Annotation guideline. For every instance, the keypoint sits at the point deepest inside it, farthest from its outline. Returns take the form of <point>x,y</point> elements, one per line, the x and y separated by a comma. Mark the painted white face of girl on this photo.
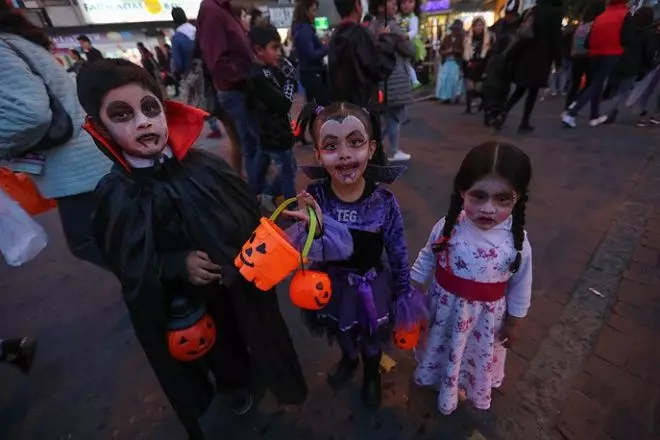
<point>489,202</point>
<point>344,149</point>
<point>135,120</point>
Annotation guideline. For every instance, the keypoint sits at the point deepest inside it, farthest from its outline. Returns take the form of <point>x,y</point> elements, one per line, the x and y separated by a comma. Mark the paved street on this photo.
<point>586,368</point>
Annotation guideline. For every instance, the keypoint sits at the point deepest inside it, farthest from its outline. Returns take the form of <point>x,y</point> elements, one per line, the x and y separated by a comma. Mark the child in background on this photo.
<point>409,22</point>
<point>270,93</point>
<point>482,266</point>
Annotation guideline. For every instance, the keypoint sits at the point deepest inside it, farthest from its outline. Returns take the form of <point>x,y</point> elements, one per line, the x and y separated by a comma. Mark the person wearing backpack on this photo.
<point>612,32</point>
<point>183,46</point>
<point>397,88</point>
<point>69,169</point>
<point>579,53</point>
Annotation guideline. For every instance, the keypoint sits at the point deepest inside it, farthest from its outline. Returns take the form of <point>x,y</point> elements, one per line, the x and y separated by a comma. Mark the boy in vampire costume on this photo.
<point>170,220</point>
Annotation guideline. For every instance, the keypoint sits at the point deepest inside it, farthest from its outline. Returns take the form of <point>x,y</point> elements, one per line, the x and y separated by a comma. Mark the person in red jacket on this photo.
<point>611,33</point>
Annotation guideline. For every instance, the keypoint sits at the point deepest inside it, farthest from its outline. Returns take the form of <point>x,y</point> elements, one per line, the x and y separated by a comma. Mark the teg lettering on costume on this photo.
<point>346,215</point>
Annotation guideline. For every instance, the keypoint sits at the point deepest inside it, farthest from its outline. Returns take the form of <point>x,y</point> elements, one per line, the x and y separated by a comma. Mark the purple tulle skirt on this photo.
<point>361,302</point>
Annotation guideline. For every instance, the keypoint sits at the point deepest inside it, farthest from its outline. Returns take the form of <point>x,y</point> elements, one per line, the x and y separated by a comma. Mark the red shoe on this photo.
<point>214,135</point>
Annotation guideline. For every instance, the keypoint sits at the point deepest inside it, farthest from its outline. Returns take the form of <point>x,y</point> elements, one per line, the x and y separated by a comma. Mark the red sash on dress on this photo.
<point>464,288</point>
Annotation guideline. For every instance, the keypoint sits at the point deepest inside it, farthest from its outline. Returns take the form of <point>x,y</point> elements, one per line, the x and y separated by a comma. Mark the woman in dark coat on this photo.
<point>531,59</point>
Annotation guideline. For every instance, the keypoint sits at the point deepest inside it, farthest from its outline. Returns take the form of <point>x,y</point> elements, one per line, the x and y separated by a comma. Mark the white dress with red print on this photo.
<point>461,350</point>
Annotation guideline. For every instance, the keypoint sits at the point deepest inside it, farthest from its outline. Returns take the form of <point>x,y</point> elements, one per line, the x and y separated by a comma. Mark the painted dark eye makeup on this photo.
<point>119,111</point>
<point>504,199</point>
<point>150,106</point>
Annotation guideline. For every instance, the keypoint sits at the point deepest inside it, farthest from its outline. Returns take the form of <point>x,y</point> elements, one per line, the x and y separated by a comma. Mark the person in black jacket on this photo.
<point>270,93</point>
<point>637,60</point>
<point>532,58</point>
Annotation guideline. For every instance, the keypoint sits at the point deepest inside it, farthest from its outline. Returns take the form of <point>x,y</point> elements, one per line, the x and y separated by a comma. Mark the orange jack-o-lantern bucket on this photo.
<point>268,257</point>
<point>310,289</point>
<point>407,338</point>
<point>191,331</point>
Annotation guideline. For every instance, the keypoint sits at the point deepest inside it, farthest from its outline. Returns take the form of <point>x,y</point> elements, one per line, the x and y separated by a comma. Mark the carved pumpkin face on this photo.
<point>191,343</point>
<point>267,257</point>
<point>407,339</point>
<point>310,289</point>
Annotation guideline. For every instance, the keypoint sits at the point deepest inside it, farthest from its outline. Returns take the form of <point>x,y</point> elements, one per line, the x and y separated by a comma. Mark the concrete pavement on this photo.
<point>592,221</point>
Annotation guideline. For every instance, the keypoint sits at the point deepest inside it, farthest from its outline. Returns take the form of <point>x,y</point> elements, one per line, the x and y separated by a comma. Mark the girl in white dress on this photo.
<point>481,264</point>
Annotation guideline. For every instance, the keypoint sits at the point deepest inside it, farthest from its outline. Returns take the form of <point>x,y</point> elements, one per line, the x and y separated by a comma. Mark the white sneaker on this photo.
<point>568,121</point>
<point>399,156</point>
<point>599,120</point>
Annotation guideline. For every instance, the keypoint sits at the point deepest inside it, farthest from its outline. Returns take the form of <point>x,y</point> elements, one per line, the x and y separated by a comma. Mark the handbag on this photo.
<point>61,124</point>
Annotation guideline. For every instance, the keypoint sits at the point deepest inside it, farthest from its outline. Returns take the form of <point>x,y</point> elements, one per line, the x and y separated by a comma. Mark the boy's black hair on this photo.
<point>96,79</point>
<point>84,38</point>
<point>345,7</point>
<point>502,160</point>
<point>179,16</point>
<point>260,36</point>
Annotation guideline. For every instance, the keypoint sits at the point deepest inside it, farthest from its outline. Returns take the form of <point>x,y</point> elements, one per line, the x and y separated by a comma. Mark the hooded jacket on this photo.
<point>183,45</point>
<point>225,47</point>
<point>611,32</point>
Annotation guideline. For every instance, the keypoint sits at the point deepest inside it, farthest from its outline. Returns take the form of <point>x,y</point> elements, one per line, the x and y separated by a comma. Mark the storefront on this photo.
<point>438,15</point>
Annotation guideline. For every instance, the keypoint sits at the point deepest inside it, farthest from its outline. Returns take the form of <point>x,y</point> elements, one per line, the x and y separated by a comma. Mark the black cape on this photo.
<point>146,221</point>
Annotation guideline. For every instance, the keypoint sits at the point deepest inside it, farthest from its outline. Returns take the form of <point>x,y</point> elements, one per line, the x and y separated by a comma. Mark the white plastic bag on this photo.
<point>21,238</point>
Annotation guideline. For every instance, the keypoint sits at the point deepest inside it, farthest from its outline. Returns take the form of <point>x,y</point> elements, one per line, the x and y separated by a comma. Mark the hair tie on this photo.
<point>440,244</point>
<point>318,110</point>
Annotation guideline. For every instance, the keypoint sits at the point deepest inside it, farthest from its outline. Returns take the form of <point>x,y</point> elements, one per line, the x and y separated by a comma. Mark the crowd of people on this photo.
<point>179,227</point>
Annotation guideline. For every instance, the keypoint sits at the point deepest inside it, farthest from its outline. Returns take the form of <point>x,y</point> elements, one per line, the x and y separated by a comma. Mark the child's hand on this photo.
<point>306,200</point>
<point>201,270</point>
<point>510,332</point>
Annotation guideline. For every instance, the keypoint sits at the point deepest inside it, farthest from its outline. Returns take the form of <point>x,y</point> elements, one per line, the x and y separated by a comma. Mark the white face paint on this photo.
<point>344,149</point>
<point>135,119</point>
<point>489,202</point>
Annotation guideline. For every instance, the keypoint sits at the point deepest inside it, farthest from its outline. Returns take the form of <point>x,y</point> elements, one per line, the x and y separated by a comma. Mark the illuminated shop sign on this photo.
<point>435,6</point>
<point>126,11</point>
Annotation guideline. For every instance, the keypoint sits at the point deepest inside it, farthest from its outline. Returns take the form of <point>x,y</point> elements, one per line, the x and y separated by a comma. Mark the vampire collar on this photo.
<point>184,123</point>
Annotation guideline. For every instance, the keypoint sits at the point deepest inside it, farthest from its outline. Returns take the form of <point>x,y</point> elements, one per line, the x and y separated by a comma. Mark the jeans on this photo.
<point>579,68</point>
<point>214,125</point>
<point>560,78</point>
<point>392,118</point>
<point>600,69</point>
<point>284,182</point>
<point>233,102</point>
<point>76,218</point>
<point>624,88</point>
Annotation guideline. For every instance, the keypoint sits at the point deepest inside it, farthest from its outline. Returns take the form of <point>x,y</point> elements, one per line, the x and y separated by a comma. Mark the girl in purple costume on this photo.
<point>347,196</point>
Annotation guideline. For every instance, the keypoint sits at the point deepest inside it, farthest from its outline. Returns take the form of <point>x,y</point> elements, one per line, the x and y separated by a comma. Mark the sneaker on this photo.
<point>399,156</point>
<point>568,121</point>
<point>417,85</point>
<point>217,134</point>
<point>241,402</point>
<point>642,123</point>
<point>654,121</point>
<point>598,121</point>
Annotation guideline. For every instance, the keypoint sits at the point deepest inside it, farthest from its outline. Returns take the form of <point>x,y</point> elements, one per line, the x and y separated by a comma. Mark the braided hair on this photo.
<point>312,116</point>
<point>487,159</point>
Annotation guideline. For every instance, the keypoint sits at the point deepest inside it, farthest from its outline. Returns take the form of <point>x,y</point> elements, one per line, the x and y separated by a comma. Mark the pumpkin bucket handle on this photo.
<point>312,225</point>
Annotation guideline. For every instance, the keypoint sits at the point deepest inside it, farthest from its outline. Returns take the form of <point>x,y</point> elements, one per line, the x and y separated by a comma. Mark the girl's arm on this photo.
<point>334,243</point>
<point>413,27</point>
<point>426,263</point>
<point>397,251</point>
<point>519,289</point>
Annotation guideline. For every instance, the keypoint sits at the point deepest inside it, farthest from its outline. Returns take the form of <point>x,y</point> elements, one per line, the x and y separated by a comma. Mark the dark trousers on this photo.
<point>228,360</point>
<point>530,101</point>
<point>579,68</point>
<point>352,343</point>
<point>600,68</point>
<point>76,218</point>
<point>316,87</point>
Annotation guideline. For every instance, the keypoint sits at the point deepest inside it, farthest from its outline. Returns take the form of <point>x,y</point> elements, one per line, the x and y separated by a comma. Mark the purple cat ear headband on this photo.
<point>320,108</point>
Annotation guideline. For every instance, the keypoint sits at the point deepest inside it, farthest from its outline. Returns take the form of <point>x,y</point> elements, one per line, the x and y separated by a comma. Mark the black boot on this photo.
<point>19,352</point>
<point>342,372</point>
<point>371,388</point>
<point>468,102</point>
